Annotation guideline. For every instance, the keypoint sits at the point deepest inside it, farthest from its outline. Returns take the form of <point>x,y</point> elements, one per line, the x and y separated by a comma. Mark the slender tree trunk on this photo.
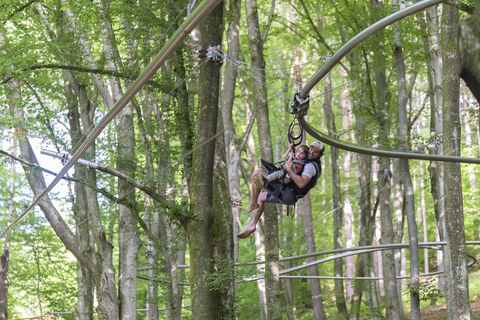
<point>128,239</point>
<point>100,264</point>
<point>315,288</point>
<point>168,233</point>
<point>223,251</point>
<point>336,200</point>
<point>458,303</point>
<point>259,234</point>
<point>4,261</point>
<point>260,255</point>
<point>406,178</point>
<point>365,231</point>
<point>469,136</point>
<point>5,257</point>
<point>423,213</point>
<point>348,208</point>
<point>227,98</point>
<point>436,169</point>
<point>79,113</point>
<point>272,279</point>
<point>80,205</point>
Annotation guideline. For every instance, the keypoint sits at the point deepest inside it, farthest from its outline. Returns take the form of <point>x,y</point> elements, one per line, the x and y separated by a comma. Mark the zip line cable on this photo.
<point>202,10</point>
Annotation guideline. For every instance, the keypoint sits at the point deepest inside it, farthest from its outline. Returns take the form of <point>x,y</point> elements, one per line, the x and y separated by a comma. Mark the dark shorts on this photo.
<point>277,194</point>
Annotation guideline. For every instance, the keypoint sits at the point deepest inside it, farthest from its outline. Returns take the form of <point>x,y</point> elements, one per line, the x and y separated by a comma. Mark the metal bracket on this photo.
<point>299,107</point>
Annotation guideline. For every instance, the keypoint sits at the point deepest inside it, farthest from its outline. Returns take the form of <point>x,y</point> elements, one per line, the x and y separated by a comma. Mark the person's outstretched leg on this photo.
<point>257,185</point>
<point>252,226</point>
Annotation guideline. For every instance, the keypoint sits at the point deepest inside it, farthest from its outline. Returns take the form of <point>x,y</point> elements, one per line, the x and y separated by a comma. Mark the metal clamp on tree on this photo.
<point>299,106</point>
<point>212,54</point>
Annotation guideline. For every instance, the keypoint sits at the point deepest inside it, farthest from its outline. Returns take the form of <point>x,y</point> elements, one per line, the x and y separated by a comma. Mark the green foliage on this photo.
<point>428,290</point>
<point>51,285</point>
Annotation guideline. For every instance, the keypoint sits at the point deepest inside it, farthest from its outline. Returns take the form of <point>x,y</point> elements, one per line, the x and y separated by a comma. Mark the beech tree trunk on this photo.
<point>128,239</point>
<point>80,205</point>
<point>208,259</point>
<point>458,303</point>
<point>232,143</point>
<point>468,50</point>
<point>436,168</point>
<point>272,268</point>
<point>347,202</point>
<point>5,257</point>
<point>252,162</point>
<point>402,132</point>
<point>336,200</point>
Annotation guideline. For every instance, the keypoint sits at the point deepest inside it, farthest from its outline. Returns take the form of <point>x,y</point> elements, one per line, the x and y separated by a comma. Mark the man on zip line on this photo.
<point>287,194</point>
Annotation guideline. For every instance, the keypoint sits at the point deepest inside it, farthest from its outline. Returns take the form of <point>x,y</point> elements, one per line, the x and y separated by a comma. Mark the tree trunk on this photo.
<point>207,262</point>
<point>436,169</point>
<point>272,279</point>
<point>365,231</point>
<point>458,303</point>
<point>260,255</point>
<point>128,239</point>
<point>5,257</point>
<point>252,162</point>
<point>405,176</point>
<point>468,50</point>
<point>232,146</point>
<point>336,201</point>
<point>222,229</point>
<point>423,214</point>
<point>407,181</point>
<point>347,206</point>
<point>80,112</point>
<point>80,205</point>
<point>315,288</point>
<point>100,264</point>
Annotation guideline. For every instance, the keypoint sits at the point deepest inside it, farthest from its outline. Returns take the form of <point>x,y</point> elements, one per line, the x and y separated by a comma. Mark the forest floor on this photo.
<point>439,312</point>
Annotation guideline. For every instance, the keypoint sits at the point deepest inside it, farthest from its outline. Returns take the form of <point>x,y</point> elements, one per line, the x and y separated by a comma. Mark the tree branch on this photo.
<point>20,9</point>
<point>34,166</point>
<point>86,70</point>
<point>461,5</point>
<point>269,23</point>
<point>157,197</point>
<point>319,36</point>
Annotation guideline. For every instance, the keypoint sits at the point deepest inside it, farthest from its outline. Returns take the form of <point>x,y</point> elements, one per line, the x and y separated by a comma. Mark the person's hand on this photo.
<point>289,163</point>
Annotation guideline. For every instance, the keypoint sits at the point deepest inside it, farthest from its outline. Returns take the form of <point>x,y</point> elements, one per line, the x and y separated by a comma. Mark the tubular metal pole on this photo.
<point>352,43</point>
<point>330,63</point>
<point>381,152</point>
<point>172,44</point>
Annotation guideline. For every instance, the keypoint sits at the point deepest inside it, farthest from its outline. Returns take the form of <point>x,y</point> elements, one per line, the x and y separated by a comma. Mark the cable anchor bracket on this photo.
<point>212,54</point>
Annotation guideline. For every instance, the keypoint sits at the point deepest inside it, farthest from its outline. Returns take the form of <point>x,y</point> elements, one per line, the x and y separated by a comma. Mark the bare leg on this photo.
<point>252,226</point>
<point>256,175</point>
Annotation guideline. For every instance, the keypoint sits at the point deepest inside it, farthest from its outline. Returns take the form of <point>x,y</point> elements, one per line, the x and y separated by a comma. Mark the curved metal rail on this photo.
<point>345,252</point>
<point>172,44</point>
<point>381,152</point>
<point>352,43</point>
<point>330,63</point>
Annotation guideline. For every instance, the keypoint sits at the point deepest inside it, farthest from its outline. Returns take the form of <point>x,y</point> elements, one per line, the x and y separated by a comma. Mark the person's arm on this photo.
<point>287,154</point>
<point>300,180</point>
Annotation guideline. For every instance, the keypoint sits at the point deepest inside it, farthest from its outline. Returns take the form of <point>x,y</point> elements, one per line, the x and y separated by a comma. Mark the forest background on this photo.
<point>147,223</point>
